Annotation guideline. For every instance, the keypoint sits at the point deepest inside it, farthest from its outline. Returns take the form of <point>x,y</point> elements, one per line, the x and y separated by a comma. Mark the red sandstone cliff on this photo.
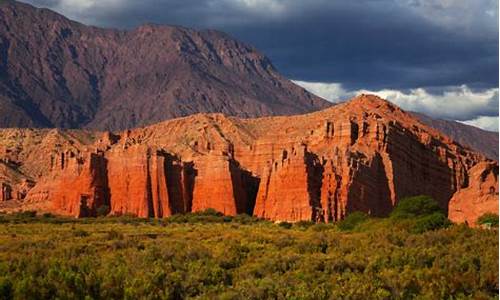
<point>479,197</point>
<point>363,155</point>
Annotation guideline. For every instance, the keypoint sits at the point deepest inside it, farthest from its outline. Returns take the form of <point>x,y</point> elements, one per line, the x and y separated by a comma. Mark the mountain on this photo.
<point>483,141</point>
<point>362,155</point>
<point>58,73</point>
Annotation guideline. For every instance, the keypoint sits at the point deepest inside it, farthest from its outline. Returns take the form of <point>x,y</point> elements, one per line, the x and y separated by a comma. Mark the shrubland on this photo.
<point>412,254</point>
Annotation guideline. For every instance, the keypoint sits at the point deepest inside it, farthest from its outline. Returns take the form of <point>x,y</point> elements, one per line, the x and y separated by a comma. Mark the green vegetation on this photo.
<point>352,220</point>
<point>413,207</point>
<point>422,213</point>
<point>209,256</point>
<point>488,219</point>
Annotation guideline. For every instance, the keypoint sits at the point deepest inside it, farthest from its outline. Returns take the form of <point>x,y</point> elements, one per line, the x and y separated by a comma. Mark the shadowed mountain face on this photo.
<point>58,73</point>
<point>483,141</point>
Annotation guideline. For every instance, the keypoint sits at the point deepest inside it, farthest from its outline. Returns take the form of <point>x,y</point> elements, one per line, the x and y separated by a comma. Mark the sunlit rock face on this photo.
<point>363,155</point>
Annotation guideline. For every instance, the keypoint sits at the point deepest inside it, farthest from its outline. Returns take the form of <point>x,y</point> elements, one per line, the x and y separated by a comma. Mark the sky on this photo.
<point>438,57</point>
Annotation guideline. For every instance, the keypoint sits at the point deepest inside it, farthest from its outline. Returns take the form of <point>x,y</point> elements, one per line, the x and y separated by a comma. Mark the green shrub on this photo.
<point>80,233</point>
<point>420,213</point>
<point>114,235</point>
<point>433,221</point>
<point>415,207</point>
<point>245,219</point>
<point>382,260</point>
<point>208,212</point>
<point>102,210</point>
<point>285,225</point>
<point>319,227</point>
<point>352,220</point>
<point>6,289</point>
<point>304,224</point>
<point>26,214</point>
<point>489,219</point>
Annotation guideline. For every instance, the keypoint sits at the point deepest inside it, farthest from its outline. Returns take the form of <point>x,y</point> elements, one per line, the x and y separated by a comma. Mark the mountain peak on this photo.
<point>82,76</point>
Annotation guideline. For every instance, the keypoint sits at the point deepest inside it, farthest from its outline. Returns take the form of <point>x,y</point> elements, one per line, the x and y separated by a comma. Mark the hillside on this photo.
<point>362,155</point>
<point>58,73</point>
<point>483,141</point>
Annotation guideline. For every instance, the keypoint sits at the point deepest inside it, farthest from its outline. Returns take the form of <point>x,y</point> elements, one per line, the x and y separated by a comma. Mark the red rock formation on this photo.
<point>479,197</point>
<point>362,155</point>
<point>218,184</point>
<point>286,191</point>
<point>77,185</point>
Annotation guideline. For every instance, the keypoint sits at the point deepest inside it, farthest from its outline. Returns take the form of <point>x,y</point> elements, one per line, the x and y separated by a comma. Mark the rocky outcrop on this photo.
<point>479,197</point>
<point>144,182</point>
<point>290,188</point>
<point>364,155</point>
<point>76,185</point>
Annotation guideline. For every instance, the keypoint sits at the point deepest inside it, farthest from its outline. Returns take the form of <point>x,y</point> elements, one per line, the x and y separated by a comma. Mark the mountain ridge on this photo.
<point>80,76</point>
<point>482,140</point>
<point>64,74</point>
<point>364,154</point>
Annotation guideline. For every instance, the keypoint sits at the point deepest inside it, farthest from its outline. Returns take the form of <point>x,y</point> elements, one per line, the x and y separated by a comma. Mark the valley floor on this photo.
<point>208,256</point>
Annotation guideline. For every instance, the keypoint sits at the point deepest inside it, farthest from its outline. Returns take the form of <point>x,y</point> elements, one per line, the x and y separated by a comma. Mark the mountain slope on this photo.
<point>483,141</point>
<point>58,73</point>
<point>362,155</point>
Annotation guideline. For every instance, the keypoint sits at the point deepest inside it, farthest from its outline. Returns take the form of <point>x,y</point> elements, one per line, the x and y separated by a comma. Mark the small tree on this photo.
<point>423,212</point>
<point>352,220</point>
<point>416,206</point>
<point>433,221</point>
<point>488,219</point>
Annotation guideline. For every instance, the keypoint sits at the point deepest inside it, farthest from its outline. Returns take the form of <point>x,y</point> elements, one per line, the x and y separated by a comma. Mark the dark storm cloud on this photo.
<point>361,44</point>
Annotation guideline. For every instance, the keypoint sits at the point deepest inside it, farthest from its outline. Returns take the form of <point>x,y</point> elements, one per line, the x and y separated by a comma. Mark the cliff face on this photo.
<point>58,73</point>
<point>479,197</point>
<point>363,155</point>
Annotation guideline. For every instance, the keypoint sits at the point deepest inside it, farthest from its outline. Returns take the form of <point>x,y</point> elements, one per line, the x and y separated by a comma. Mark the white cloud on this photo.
<point>487,123</point>
<point>460,103</point>
<point>333,92</point>
<point>456,103</point>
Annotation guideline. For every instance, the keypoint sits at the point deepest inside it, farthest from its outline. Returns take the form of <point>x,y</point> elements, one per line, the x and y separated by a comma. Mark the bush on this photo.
<point>382,260</point>
<point>26,214</point>
<point>209,212</point>
<point>114,235</point>
<point>489,219</point>
<point>352,220</point>
<point>319,227</point>
<point>285,225</point>
<point>422,213</point>
<point>304,224</point>
<point>102,210</point>
<point>415,207</point>
<point>433,221</point>
<point>80,233</point>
